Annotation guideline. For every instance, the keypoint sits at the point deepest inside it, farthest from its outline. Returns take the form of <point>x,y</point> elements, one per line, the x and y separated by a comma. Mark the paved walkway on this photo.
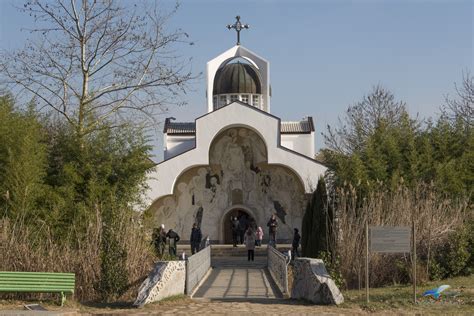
<point>235,278</point>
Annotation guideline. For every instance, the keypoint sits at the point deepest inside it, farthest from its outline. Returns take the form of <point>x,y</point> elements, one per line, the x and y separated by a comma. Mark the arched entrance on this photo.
<point>245,219</point>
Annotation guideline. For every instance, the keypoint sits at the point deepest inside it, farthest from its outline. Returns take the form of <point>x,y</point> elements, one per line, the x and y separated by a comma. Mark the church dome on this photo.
<point>237,78</point>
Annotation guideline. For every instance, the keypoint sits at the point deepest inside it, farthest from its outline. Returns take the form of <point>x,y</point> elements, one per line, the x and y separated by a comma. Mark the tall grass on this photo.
<point>435,217</point>
<point>28,249</point>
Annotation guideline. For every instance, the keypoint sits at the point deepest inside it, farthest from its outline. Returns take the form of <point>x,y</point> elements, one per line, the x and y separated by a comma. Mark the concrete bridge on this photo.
<point>223,273</point>
<point>233,277</point>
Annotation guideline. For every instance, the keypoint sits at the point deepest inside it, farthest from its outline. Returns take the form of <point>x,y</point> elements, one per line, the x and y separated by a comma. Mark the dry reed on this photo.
<point>25,249</point>
<point>435,218</point>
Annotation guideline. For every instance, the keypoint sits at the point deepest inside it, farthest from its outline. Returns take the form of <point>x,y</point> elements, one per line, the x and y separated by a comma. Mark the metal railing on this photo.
<point>278,267</point>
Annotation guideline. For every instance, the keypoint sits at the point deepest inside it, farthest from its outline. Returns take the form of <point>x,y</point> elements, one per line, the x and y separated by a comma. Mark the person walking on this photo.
<point>259,236</point>
<point>249,240</point>
<point>272,229</point>
<point>196,237</point>
<point>173,239</point>
<point>235,230</point>
<point>295,244</point>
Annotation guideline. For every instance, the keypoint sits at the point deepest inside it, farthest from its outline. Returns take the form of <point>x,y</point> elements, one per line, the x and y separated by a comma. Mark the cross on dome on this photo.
<point>238,26</point>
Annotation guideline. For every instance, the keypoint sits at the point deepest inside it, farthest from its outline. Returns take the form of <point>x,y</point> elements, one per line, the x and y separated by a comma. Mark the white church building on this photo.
<point>237,159</point>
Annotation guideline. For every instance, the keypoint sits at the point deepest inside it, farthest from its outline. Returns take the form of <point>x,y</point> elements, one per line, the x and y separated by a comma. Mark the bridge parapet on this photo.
<point>197,267</point>
<point>278,267</point>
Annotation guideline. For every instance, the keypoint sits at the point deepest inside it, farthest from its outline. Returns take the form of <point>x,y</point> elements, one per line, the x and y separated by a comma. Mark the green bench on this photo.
<point>39,282</point>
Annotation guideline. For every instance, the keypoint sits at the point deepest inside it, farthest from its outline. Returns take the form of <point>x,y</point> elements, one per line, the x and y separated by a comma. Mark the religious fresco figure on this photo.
<point>217,151</point>
<point>197,186</point>
<point>184,207</point>
<point>166,210</point>
<point>232,164</point>
<point>250,182</point>
<point>258,148</point>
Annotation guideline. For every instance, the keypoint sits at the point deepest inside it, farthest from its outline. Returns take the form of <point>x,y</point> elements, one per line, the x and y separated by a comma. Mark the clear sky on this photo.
<point>324,55</point>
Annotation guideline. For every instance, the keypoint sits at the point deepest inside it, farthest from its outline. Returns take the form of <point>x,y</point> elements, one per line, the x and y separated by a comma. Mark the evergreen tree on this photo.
<point>306,229</point>
<point>317,234</point>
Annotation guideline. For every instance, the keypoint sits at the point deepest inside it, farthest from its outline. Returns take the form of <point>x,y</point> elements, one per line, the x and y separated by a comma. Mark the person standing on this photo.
<point>173,238</point>
<point>259,236</point>
<point>196,237</point>
<point>155,240</point>
<point>272,229</point>
<point>295,244</point>
<point>242,227</point>
<point>249,240</point>
<point>162,238</point>
<point>235,230</point>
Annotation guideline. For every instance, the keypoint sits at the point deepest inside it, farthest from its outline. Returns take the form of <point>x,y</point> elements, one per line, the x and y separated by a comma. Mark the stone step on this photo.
<point>220,250</point>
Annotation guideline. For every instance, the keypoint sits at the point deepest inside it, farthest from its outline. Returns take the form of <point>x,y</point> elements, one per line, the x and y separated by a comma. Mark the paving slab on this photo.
<point>237,278</point>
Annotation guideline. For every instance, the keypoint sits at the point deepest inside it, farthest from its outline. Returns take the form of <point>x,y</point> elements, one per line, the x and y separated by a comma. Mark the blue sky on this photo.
<point>324,55</point>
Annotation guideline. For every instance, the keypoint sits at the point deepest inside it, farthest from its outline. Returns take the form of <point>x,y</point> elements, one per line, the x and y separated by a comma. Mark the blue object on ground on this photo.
<point>436,292</point>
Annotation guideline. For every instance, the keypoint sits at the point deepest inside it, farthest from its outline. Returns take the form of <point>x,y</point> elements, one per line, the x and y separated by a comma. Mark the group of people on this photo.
<point>161,238</point>
<point>242,232</point>
<point>240,226</point>
<point>252,238</point>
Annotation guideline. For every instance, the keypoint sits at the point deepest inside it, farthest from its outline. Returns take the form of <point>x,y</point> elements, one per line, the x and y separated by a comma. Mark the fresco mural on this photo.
<point>238,175</point>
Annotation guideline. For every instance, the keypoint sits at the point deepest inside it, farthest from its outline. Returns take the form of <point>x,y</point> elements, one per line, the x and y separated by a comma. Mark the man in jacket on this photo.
<point>173,239</point>
<point>295,244</point>
<point>272,228</point>
<point>196,237</point>
<point>235,230</point>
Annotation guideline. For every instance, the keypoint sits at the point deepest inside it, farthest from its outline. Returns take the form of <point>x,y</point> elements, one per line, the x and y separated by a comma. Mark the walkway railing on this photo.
<point>278,267</point>
<point>197,266</point>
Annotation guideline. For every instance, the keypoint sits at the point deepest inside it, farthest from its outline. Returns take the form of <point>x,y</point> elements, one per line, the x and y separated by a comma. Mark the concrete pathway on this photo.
<point>236,278</point>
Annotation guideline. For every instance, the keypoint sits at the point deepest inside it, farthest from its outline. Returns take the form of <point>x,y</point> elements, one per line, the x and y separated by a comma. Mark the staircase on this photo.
<point>224,250</point>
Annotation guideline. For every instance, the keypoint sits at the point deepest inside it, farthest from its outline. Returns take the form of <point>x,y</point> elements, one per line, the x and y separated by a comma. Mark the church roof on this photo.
<point>305,126</point>
<point>237,78</point>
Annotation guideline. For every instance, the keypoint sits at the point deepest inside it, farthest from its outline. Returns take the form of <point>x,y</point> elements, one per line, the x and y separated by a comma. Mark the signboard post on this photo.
<point>390,239</point>
<point>367,262</point>
<point>414,262</point>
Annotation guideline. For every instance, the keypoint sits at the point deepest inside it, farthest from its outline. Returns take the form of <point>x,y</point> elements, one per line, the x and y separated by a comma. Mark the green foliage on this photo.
<point>453,257</point>
<point>395,148</point>
<point>317,223</point>
<point>83,175</point>
<point>54,180</point>
<point>114,276</point>
<point>333,266</point>
<point>22,161</point>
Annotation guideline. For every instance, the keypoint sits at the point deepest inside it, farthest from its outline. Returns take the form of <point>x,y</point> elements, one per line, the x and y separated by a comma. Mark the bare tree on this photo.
<point>462,107</point>
<point>96,61</point>
<point>362,119</point>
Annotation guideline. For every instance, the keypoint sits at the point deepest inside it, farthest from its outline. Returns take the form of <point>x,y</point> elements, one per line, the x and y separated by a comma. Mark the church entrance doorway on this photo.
<point>245,220</point>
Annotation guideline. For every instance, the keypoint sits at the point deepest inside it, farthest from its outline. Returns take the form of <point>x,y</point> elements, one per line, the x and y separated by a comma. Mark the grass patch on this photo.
<point>400,298</point>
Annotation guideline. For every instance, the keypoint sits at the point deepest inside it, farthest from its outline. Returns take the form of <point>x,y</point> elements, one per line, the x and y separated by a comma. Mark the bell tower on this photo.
<point>238,74</point>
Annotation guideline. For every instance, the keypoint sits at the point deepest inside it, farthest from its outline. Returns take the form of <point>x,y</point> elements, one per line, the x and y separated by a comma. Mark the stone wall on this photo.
<point>312,282</point>
<point>196,268</point>
<point>277,266</point>
<point>166,279</point>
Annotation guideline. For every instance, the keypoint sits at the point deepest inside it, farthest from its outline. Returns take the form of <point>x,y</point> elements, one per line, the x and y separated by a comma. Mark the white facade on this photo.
<point>175,145</point>
<point>236,159</point>
<point>301,143</point>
